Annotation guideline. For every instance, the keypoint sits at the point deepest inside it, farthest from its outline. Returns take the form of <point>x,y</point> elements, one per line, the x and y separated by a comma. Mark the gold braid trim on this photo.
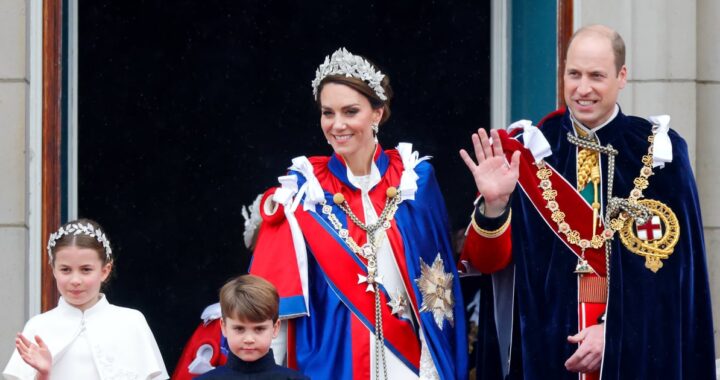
<point>491,234</point>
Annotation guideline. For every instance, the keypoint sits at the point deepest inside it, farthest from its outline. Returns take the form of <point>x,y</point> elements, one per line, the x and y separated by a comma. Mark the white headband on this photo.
<point>77,229</point>
<point>342,62</point>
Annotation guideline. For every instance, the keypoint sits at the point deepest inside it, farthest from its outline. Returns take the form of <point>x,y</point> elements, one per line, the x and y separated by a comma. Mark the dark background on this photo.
<point>189,109</point>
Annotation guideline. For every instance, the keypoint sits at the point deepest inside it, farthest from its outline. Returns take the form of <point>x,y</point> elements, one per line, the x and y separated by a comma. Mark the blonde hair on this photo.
<point>251,298</point>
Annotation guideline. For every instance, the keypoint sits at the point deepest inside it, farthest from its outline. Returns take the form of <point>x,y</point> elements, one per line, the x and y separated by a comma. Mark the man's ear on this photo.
<point>622,76</point>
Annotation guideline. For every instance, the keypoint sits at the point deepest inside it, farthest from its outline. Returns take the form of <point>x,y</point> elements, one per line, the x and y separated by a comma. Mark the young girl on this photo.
<point>84,337</point>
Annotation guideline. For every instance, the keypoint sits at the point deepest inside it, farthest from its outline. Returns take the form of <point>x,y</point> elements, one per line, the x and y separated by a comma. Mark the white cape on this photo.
<point>119,339</point>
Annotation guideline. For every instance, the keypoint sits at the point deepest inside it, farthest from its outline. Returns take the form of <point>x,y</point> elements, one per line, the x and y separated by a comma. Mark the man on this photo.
<point>594,187</point>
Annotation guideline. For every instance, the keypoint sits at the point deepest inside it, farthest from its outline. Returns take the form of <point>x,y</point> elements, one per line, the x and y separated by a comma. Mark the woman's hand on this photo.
<point>37,355</point>
<point>494,178</point>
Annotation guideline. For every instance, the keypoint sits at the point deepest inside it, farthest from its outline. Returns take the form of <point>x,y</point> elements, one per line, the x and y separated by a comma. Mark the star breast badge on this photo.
<point>398,303</point>
<point>436,288</point>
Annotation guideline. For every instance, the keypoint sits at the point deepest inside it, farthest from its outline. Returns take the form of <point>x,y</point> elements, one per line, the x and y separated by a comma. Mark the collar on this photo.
<point>590,132</point>
<point>378,167</point>
<point>606,133</point>
<point>263,364</point>
<point>65,307</point>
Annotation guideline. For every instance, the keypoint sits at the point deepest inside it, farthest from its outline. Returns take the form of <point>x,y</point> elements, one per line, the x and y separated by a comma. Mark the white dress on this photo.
<point>104,342</point>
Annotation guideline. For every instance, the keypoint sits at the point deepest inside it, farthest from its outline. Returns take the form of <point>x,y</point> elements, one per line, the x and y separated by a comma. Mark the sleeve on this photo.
<point>488,243</point>
<point>149,359</point>
<point>279,256</point>
<point>16,368</point>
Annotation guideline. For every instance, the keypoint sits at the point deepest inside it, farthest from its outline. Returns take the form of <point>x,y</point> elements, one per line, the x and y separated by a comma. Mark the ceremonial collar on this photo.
<point>338,167</point>
<point>65,307</point>
<point>593,131</point>
<point>263,364</point>
<point>609,131</point>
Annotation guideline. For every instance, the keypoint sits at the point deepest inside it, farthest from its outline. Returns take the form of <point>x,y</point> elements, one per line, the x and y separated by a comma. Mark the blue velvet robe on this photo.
<point>658,325</point>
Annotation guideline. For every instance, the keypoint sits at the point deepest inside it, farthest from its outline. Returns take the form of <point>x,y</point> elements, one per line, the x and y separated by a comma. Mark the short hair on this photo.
<point>251,298</point>
<point>618,45</point>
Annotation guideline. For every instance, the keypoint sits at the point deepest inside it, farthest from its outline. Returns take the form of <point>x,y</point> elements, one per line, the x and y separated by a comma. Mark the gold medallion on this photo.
<point>654,249</point>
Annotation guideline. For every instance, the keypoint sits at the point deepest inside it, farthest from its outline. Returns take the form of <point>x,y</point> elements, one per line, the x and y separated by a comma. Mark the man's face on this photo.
<point>592,83</point>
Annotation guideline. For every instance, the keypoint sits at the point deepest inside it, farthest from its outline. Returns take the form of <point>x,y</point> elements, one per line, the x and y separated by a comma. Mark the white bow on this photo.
<point>408,180</point>
<point>288,188</point>
<point>533,139</point>
<point>313,192</point>
<point>662,147</point>
<point>211,313</point>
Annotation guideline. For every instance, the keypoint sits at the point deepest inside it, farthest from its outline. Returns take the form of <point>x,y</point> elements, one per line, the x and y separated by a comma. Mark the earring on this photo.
<point>376,129</point>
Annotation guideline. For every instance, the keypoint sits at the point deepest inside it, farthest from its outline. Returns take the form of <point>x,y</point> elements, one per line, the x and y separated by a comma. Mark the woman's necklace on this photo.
<point>368,251</point>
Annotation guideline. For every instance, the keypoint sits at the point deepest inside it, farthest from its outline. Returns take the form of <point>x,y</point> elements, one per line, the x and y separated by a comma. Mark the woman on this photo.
<point>358,246</point>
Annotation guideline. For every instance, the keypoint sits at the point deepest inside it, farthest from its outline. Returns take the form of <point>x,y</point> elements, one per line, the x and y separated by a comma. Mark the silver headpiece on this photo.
<point>78,229</point>
<point>342,62</point>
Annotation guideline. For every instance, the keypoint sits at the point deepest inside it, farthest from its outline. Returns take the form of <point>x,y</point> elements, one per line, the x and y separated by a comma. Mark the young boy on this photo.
<point>249,306</point>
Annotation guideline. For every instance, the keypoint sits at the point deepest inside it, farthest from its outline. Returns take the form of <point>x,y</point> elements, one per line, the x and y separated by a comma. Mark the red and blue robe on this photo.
<point>332,317</point>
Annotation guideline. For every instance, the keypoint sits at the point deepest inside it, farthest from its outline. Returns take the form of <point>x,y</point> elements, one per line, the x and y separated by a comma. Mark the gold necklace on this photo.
<point>558,216</point>
<point>618,212</point>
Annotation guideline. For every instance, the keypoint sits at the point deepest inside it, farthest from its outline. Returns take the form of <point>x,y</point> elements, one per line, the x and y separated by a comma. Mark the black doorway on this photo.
<point>189,109</point>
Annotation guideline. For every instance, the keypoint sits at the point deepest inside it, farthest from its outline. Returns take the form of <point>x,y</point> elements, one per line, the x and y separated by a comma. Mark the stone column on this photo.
<point>13,226</point>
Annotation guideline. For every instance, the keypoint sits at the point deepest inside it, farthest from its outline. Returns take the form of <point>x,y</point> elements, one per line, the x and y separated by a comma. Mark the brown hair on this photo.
<point>251,298</point>
<point>618,45</point>
<point>362,87</point>
<point>81,241</point>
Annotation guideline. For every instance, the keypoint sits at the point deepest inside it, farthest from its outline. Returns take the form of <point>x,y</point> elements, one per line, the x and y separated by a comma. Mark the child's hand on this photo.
<point>37,355</point>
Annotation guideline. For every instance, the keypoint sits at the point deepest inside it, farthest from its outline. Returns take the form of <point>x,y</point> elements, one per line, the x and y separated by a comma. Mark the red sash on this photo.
<point>341,269</point>
<point>578,213</point>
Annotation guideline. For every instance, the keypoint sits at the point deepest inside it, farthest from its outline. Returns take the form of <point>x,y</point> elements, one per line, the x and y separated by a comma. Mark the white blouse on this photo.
<point>104,342</point>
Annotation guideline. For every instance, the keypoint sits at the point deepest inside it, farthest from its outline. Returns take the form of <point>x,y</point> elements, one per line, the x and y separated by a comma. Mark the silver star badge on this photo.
<point>398,303</point>
<point>436,288</point>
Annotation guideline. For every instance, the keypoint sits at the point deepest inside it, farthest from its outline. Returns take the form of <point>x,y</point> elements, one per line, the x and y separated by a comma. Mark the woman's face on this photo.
<point>346,119</point>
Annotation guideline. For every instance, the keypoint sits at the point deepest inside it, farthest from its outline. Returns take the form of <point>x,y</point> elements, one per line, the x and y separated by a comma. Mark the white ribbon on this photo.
<point>662,147</point>
<point>408,180</point>
<point>201,363</point>
<point>288,188</point>
<point>533,139</point>
<point>313,192</point>
<point>211,313</point>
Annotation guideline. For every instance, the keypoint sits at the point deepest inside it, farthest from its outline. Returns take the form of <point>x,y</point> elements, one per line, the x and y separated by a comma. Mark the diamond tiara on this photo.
<point>342,62</point>
<point>77,229</point>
